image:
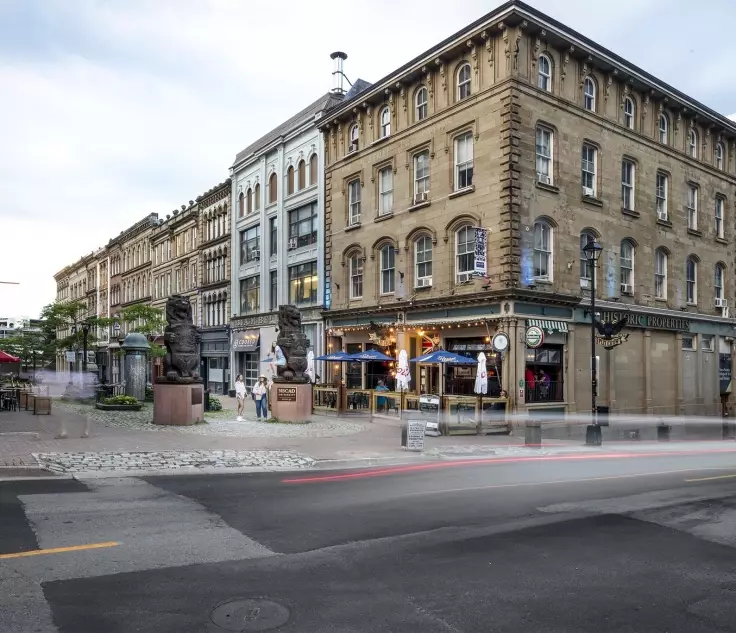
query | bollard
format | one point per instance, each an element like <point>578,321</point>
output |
<point>533,433</point>
<point>663,432</point>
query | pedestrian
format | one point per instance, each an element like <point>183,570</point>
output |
<point>260,395</point>
<point>240,396</point>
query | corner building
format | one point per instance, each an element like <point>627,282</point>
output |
<point>523,127</point>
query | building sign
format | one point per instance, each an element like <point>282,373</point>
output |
<point>261,319</point>
<point>534,337</point>
<point>649,321</point>
<point>481,246</point>
<point>245,340</point>
<point>724,372</point>
<point>286,394</point>
<point>614,341</point>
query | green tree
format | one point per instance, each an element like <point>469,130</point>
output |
<point>35,348</point>
<point>146,320</point>
<point>68,317</point>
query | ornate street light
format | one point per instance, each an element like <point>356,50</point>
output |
<point>593,436</point>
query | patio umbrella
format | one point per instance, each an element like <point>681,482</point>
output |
<point>442,357</point>
<point>481,376</point>
<point>310,365</point>
<point>403,378</point>
<point>335,357</point>
<point>8,358</point>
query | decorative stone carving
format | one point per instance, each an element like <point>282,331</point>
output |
<point>293,343</point>
<point>517,43</point>
<point>402,95</point>
<point>506,51</point>
<point>428,79</point>
<point>181,338</point>
<point>645,105</point>
<point>441,67</point>
<point>565,62</point>
<point>489,46</point>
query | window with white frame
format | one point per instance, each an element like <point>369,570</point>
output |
<point>719,216</point>
<point>718,282</point>
<point>463,82</point>
<point>388,269</point>
<point>421,177</point>
<point>629,111</point>
<point>589,94</point>
<point>545,139</point>
<point>356,276</point>
<point>422,262</point>
<point>543,240</point>
<point>586,266</point>
<point>626,267</point>
<point>463,161</point>
<point>385,190</point>
<point>420,104</point>
<point>353,138</point>
<point>719,155</point>
<point>628,180</point>
<point>692,207</point>
<point>692,143</point>
<point>660,274</point>
<point>664,125</point>
<point>661,195</point>
<point>385,122</point>
<point>464,253</point>
<point>354,202</point>
<point>589,160</point>
<point>691,281</point>
<point>706,342</point>
<point>544,79</point>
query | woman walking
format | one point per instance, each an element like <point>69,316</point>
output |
<point>240,396</point>
<point>260,395</point>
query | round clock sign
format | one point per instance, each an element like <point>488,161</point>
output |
<point>534,336</point>
<point>500,342</point>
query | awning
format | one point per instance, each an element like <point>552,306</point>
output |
<point>246,340</point>
<point>548,326</point>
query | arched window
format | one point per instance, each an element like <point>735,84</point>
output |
<point>385,122</point>
<point>256,201</point>
<point>301,175</point>
<point>543,253</point>
<point>249,201</point>
<point>718,282</point>
<point>313,167</point>
<point>691,280</point>
<point>464,253</point>
<point>273,188</point>
<point>626,267</point>
<point>422,262</point>
<point>719,155</point>
<point>388,269</point>
<point>660,273</point>
<point>586,267</point>
<point>356,275</point>
<point>353,146</point>
<point>463,82</point>
<point>589,94</point>
<point>290,180</point>
<point>664,126</point>
<point>692,143</point>
<point>420,104</point>
<point>544,77</point>
<point>629,112</point>
<point>241,204</point>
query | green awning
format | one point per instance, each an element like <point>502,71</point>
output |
<point>548,326</point>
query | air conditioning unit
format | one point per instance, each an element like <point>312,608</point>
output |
<point>257,253</point>
<point>421,197</point>
<point>423,282</point>
<point>662,215</point>
<point>544,179</point>
<point>293,243</point>
<point>464,277</point>
<point>584,283</point>
<point>353,147</point>
<point>627,289</point>
<point>721,303</point>
<point>355,220</point>
<point>588,192</point>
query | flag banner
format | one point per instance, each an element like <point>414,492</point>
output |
<point>481,247</point>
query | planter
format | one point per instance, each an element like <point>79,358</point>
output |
<point>119,407</point>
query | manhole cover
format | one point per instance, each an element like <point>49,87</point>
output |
<point>250,615</point>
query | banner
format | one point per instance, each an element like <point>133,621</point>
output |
<point>481,247</point>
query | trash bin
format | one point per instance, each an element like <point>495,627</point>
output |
<point>602,415</point>
<point>663,432</point>
<point>533,433</point>
<point>593,435</point>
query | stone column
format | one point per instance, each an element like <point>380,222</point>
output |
<point>678,374</point>
<point>610,377</point>
<point>570,368</point>
<point>648,372</point>
<point>136,349</point>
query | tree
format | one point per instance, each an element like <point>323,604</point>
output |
<point>35,348</point>
<point>146,320</point>
<point>68,316</point>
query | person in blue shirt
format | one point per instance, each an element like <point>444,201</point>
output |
<point>381,400</point>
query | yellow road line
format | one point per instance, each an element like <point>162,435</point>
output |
<point>59,550</point>
<point>712,478</point>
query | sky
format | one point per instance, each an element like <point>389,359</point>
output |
<point>114,109</point>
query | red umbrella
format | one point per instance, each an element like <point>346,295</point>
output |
<point>7,358</point>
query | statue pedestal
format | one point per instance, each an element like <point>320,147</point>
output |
<point>178,404</point>
<point>291,402</point>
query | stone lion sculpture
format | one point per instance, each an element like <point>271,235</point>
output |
<point>293,343</point>
<point>181,338</point>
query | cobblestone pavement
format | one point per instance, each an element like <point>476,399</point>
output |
<point>217,424</point>
<point>170,460</point>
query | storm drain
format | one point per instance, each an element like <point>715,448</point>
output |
<point>249,615</point>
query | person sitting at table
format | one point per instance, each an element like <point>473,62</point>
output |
<point>381,400</point>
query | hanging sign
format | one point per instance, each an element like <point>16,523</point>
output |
<point>534,337</point>
<point>481,255</point>
<point>500,342</point>
<point>614,341</point>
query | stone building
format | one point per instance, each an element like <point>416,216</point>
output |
<point>519,126</point>
<point>71,285</point>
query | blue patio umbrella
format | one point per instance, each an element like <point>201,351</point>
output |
<point>336,357</point>
<point>368,356</point>
<point>442,357</point>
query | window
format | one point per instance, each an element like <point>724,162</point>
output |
<point>628,175</point>
<point>544,155</point>
<point>421,176</point>
<point>706,342</point>
<point>719,155</point>
<point>626,266</point>
<point>313,167</point>
<point>385,191</point>
<point>290,180</point>
<point>274,290</point>
<point>542,251</point>
<point>692,207</point>
<point>420,104</point>
<point>589,94</point>
<point>241,204</point>
<point>464,253</point>
<point>629,113</point>
<point>691,280</point>
<point>664,125</point>
<point>272,188</point>
<point>423,262</point>
<point>718,283</point>
<point>463,82</point>
<point>719,217</point>
<point>301,175</point>
<point>388,269</point>
<point>273,236</point>
<point>354,202</point>
<point>356,276</point>
<point>661,195</point>
<point>588,166</point>
<point>248,201</point>
<point>250,244</point>
<point>692,143</point>
<point>544,78</point>
<point>303,282</point>
<point>463,161</point>
<point>688,343</point>
<point>256,203</point>
<point>660,274</point>
<point>385,125</point>
<point>586,267</point>
<point>353,138</point>
<point>303,226</point>
<point>250,290</point>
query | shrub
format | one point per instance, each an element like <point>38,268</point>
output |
<point>214,403</point>
<point>149,393</point>
<point>120,400</point>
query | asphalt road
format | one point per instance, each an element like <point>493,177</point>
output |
<point>557,544</point>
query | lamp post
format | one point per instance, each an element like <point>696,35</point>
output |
<point>592,251</point>
<point>71,363</point>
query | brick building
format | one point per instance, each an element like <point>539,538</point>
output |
<point>524,128</point>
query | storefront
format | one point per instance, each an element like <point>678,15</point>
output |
<point>215,359</point>
<point>246,352</point>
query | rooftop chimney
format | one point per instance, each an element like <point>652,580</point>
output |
<point>337,72</point>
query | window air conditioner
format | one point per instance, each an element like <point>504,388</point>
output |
<point>588,192</point>
<point>463,277</point>
<point>584,283</point>
<point>626,289</point>
<point>257,253</point>
<point>421,197</point>
<point>353,147</point>
<point>662,215</point>
<point>423,282</point>
<point>721,303</point>
<point>293,242</point>
<point>543,178</point>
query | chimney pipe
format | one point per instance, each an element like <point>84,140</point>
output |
<point>337,72</point>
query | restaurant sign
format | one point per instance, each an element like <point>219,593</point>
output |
<point>648,321</point>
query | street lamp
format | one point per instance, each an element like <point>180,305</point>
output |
<point>592,251</point>
<point>71,363</point>
<point>86,325</point>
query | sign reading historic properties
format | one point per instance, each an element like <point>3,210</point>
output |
<point>649,321</point>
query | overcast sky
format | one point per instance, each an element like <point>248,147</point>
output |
<point>114,109</point>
